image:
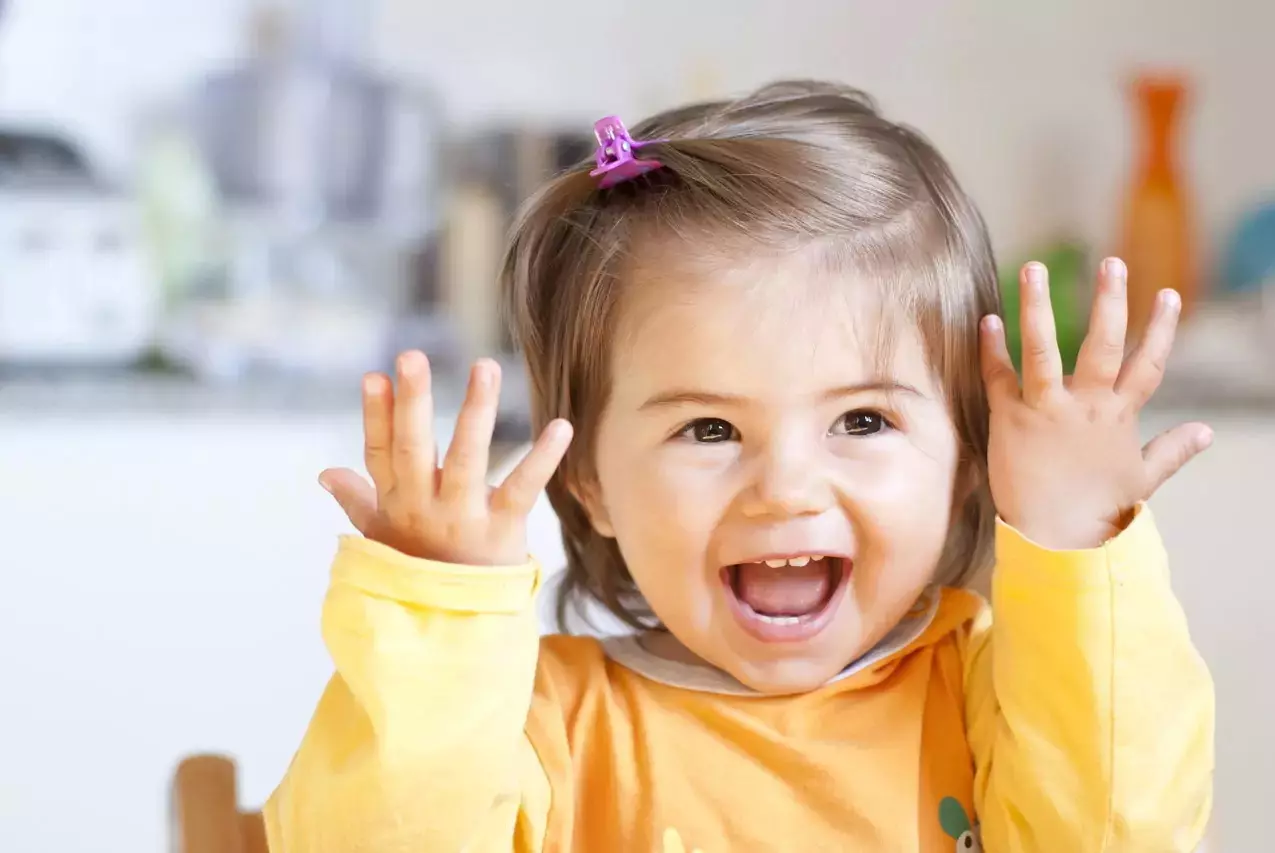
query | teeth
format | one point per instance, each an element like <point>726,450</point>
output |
<point>779,620</point>
<point>793,561</point>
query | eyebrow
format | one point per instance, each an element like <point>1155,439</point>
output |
<point>686,397</point>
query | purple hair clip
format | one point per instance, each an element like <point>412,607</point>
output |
<point>616,162</point>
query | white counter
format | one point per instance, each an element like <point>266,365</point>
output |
<point>163,575</point>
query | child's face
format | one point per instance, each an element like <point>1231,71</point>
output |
<point>747,422</point>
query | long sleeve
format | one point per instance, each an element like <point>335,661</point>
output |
<point>418,741</point>
<point>1089,711</point>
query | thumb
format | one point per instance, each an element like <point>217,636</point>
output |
<point>354,494</point>
<point>1170,450</point>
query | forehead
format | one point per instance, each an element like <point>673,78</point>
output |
<point>764,326</point>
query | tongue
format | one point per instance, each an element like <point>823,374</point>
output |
<point>785,591</point>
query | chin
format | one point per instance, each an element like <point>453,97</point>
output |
<point>780,677</point>
<point>778,669</point>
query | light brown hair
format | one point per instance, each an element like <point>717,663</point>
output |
<point>793,165</point>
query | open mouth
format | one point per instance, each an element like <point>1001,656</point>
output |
<point>786,599</point>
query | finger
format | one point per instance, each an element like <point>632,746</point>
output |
<point>1143,372</point>
<point>378,431</point>
<point>355,495</point>
<point>414,429</point>
<point>998,370</point>
<point>1170,450</point>
<point>1042,363</point>
<point>465,468</point>
<point>518,493</point>
<point>1102,352</point>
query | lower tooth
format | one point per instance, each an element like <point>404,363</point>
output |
<point>780,620</point>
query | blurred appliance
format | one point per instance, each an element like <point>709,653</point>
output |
<point>326,181</point>
<point>75,284</point>
<point>321,139</point>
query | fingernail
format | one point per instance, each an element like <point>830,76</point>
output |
<point>1116,273</point>
<point>1036,274</point>
<point>991,323</point>
<point>326,486</point>
<point>406,364</point>
<point>1171,300</point>
<point>481,375</point>
<point>1205,438</point>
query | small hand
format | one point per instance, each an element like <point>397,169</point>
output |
<point>1065,460</point>
<point>448,514</point>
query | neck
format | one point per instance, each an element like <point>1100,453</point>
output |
<point>664,645</point>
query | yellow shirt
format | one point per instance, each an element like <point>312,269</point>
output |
<point>1074,715</point>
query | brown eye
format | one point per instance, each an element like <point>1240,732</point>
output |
<point>710,431</point>
<point>861,422</point>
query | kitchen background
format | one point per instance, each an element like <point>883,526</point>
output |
<point>216,214</point>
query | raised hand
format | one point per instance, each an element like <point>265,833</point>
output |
<point>446,513</point>
<point>1065,459</point>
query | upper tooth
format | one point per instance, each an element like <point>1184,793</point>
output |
<point>816,557</point>
<point>792,561</point>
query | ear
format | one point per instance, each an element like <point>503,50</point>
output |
<point>589,495</point>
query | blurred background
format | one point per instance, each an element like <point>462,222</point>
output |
<point>216,214</point>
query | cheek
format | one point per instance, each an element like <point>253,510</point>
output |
<point>664,512</point>
<point>901,500</point>
<point>664,505</point>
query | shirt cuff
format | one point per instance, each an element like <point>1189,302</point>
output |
<point>381,571</point>
<point>1134,554</point>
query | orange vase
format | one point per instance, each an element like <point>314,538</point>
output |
<point>1157,243</point>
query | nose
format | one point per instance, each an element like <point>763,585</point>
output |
<point>789,481</point>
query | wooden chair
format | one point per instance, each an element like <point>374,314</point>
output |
<point>205,812</point>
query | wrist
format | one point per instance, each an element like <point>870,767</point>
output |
<point>1066,532</point>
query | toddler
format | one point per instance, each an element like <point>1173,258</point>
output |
<point>781,429</point>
